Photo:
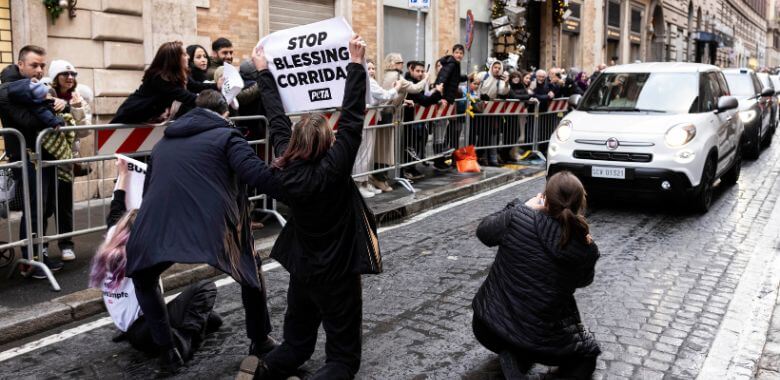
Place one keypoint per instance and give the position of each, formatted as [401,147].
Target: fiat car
[755,109]
[652,129]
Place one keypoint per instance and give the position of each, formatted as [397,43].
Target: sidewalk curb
[23,323]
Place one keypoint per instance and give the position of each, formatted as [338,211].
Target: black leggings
[187,319]
[150,298]
[572,367]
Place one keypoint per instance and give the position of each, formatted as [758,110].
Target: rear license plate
[608,172]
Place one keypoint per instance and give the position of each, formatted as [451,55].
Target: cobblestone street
[676,295]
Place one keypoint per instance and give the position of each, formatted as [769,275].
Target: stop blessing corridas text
[307,59]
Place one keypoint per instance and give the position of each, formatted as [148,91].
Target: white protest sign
[233,83]
[309,63]
[135,184]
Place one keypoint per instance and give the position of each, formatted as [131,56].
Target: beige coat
[407,87]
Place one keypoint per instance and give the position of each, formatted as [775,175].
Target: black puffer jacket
[449,75]
[17,116]
[528,296]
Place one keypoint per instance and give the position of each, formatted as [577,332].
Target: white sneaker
[365,192]
[373,189]
[68,255]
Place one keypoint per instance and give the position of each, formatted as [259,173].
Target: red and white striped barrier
[131,140]
[433,112]
[372,118]
[558,105]
[505,108]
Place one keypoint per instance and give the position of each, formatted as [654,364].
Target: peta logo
[319,95]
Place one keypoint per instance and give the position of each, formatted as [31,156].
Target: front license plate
[606,172]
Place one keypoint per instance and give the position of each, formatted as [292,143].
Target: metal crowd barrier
[393,138]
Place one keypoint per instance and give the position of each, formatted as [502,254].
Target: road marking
[740,340]
[59,337]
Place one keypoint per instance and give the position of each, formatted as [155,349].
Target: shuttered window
[285,14]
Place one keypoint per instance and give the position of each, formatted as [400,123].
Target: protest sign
[232,85]
[135,188]
[309,64]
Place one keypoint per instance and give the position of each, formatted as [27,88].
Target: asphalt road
[676,295]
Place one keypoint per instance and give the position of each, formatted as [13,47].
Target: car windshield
[642,92]
[764,78]
[740,84]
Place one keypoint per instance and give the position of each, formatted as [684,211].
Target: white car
[652,128]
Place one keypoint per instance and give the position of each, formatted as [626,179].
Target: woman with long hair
[322,245]
[525,310]
[191,314]
[196,210]
[163,83]
[198,63]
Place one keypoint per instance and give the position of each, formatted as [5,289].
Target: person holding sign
[323,246]
[196,210]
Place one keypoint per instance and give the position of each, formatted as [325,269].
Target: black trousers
[339,308]
[572,367]
[150,298]
[64,212]
[187,317]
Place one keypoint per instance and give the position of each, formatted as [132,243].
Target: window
[613,14]
[638,92]
[636,20]
[724,87]
[710,92]
[575,9]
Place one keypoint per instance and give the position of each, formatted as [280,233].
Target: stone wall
[448,27]
[364,23]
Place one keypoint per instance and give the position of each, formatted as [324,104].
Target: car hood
[635,123]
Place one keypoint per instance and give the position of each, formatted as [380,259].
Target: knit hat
[59,66]
[38,91]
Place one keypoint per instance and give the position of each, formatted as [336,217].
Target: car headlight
[680,135]
[563,132]
[747,116]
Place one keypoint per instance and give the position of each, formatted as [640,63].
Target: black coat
[528,296]
[150,101]
[449,75]
[17,116]
[419,99]
[195,207]
[569,88]
[318,243]
[518,91]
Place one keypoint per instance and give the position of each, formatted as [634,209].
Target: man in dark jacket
[544,90]
[415,136]
[221,52]
[195,210]
[31,64]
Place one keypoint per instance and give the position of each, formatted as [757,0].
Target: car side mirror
[574,100]
[726,103]
[767,92]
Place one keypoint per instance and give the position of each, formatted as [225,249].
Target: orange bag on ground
[466,159]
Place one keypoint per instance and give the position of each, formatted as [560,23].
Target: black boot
[262,348]
[512,368]
[170,361]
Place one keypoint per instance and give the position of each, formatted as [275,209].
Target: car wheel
[704,192]
[753,150]
[732,176]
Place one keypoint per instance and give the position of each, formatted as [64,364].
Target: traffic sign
[420,4]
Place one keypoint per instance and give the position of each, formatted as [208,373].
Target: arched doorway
[657,39]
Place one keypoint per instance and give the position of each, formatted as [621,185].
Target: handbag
[10,192]
[369,258]
[466,159]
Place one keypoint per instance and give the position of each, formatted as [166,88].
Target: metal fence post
[535,146]
[398,119]
[466,128]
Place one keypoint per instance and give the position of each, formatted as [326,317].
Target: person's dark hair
[212,100]
[411,65]
[516,74]
[565,199]
[30,49]
[221,43]
[197,74]
[167,64]
[311,138]
[458,47]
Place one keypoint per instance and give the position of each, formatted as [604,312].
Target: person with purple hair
[191,313]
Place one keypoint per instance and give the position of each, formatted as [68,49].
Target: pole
[417,38]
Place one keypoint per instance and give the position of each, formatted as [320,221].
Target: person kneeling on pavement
[525,310]
[190,314]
